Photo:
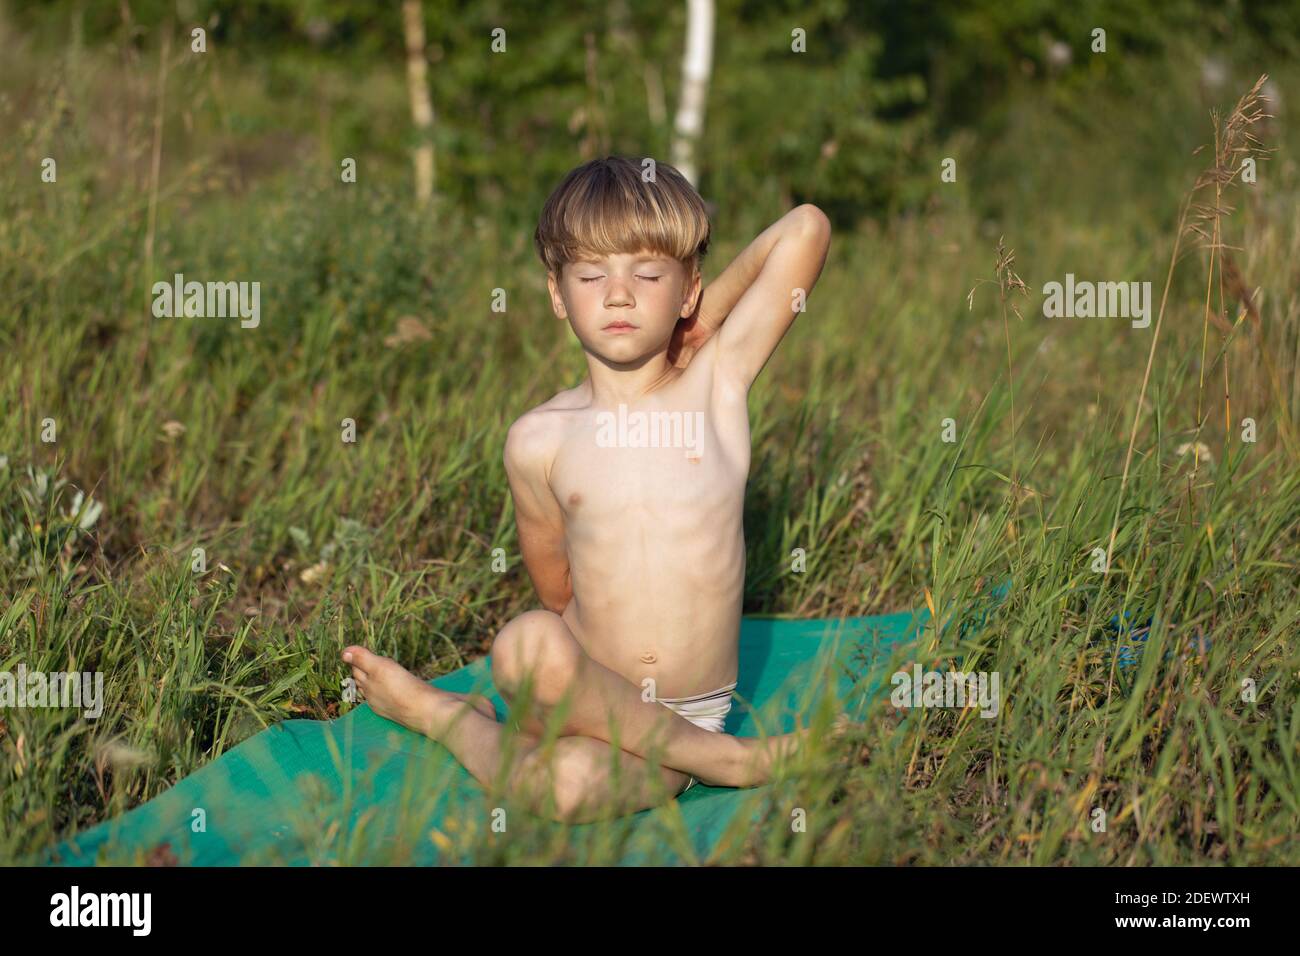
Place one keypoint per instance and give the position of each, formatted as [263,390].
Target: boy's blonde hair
[606,207]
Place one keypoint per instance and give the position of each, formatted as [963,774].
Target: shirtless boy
[635,545]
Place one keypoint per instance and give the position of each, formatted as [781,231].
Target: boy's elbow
[559,598]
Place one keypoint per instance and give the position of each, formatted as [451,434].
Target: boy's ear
[692,298]
[557,300]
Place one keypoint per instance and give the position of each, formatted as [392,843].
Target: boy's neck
[609,385]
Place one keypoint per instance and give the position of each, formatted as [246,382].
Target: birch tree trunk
[697,66]
[421,106]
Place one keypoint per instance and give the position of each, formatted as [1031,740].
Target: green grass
[399,528]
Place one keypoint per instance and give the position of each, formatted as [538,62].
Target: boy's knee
[536,644]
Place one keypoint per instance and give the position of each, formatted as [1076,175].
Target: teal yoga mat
[363,790]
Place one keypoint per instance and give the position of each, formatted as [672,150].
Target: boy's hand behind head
[687,338]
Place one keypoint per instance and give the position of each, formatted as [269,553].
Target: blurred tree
[421,106]
[697,64]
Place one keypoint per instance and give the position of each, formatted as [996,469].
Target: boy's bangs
[612,222]
[605,208]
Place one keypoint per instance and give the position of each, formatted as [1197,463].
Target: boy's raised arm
[758,294]
[537,514]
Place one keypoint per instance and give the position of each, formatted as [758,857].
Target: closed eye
[598,278]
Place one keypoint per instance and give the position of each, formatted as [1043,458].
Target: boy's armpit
[529,451]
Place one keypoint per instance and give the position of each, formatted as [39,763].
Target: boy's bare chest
[665,463]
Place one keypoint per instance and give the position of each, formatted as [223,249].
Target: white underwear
[708,710]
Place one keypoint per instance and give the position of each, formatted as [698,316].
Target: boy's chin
[630,354]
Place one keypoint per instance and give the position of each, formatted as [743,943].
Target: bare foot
[763,754]
[480,703]
[395,693]
[843,725]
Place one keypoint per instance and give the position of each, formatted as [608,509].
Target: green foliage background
[199,434]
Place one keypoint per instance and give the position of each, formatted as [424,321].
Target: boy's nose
[618,294]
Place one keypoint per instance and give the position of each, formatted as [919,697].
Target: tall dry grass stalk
[1233,142]
[1008,284]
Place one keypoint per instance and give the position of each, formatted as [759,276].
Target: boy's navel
[648,657]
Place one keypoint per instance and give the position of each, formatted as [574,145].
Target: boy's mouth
[620,326]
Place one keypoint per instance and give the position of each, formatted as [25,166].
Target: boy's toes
[360,658]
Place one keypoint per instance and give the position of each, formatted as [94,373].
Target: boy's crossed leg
[656,748]
[571,778]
